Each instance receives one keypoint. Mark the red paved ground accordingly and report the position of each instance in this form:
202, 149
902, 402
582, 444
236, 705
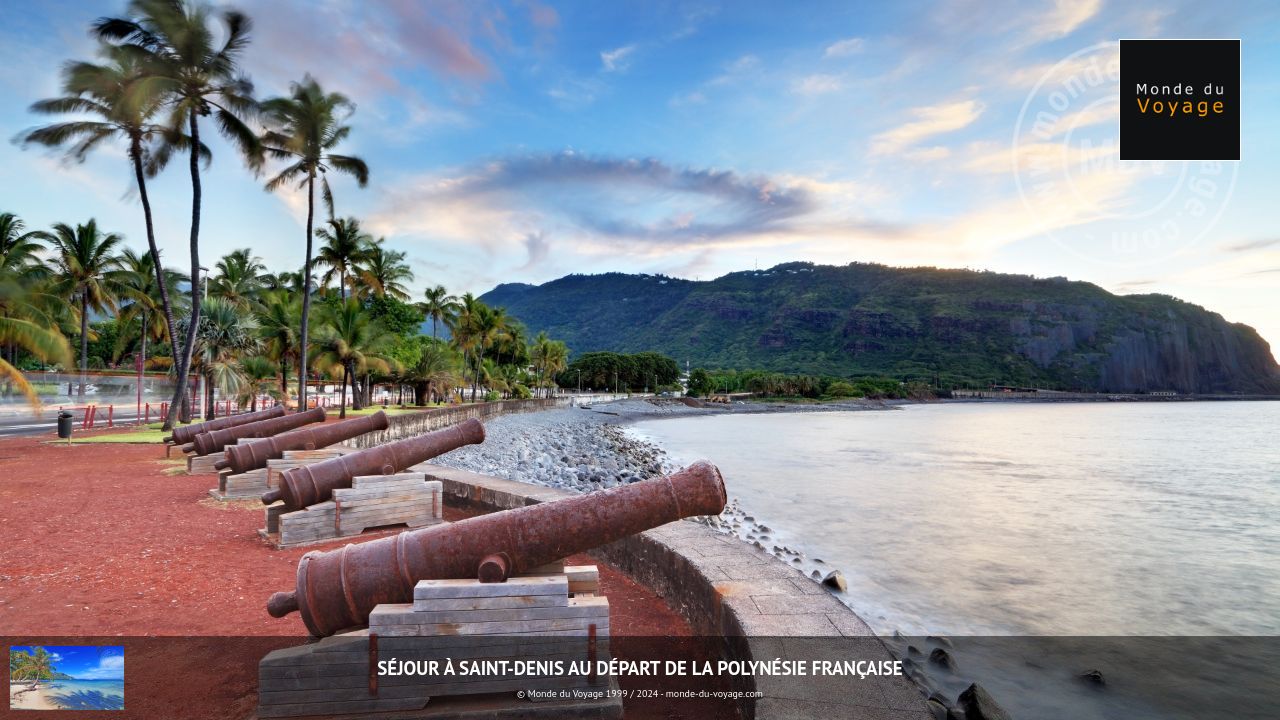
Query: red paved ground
99, 540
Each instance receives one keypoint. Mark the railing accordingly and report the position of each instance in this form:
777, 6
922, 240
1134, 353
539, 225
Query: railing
411, 424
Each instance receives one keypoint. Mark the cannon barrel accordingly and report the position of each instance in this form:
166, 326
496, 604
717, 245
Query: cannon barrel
339, 588
314, 483
183, 434
253, 455
215, 441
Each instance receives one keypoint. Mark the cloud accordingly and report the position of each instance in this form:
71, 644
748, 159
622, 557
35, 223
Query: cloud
1064, 18
818, 84
110, 667
538, 247
1250, 245
844, 48
930, 120
616, 60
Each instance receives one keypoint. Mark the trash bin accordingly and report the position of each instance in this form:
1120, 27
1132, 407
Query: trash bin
64, 425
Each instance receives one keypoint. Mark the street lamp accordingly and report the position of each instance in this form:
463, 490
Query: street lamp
579, 381
205, 270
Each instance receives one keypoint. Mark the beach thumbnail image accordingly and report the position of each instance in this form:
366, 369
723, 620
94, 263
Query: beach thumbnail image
66, 677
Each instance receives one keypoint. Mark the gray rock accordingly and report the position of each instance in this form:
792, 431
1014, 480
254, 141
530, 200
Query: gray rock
942, 659
1092, 677
978, 704
835, 580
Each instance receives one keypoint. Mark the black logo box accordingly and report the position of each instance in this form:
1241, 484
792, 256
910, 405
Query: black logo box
1185, 68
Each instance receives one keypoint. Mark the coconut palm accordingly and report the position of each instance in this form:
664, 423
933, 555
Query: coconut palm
124, 104
87, 270
198, 77
259, 374
226, 333
304, 129
26, 325
35, 666
279, 314
439, 306
384, 272
350, 340
20, 262
435, 373
139, 302
239, 277
20, 249
343, 251
549, 357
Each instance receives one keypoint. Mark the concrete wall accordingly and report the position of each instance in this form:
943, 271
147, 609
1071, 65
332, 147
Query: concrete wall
762, 607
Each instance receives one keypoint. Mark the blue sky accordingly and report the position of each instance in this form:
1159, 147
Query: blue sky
84, 662
522, 141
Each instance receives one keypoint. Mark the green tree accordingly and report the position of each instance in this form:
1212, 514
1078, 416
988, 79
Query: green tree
226, 333
383, 272
125, 103
25, 325
304, 129
87, 270
259, 375
439, 306
700, 384
350, 340
239, 278
198, 78
436, 371
279, 315
345, 248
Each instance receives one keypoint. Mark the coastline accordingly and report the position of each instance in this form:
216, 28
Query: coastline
587, 448
22, 699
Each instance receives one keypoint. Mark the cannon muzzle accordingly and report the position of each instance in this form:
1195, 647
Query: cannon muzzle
215, 441
339, 588
253, 455
314, 483
185, 433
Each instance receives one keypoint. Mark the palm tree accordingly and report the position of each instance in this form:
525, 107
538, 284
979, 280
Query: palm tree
384, 272
87, 270
259, 373
139, 294
343, 252
25, 325
278, 318
304, 129
435, 373
198, 78
352, 341
225, 334
439, 306
239, 277
125, 104
549, 357
34, 666
465, 331
20, 262
20, 249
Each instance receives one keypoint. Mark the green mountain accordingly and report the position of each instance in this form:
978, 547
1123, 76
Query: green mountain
963, 327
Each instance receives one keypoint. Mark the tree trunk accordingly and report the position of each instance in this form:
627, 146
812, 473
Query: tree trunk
350, 372
284, 377
84, 339
342, 411
306, 295
188, 345
135, 151
342, 286
210, 412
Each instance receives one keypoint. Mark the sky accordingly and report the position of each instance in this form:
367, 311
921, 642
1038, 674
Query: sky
522, 141
84, 662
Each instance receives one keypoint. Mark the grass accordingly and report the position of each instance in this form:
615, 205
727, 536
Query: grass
150, 435
390, 410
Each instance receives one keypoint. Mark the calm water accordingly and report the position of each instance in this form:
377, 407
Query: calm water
1021, 519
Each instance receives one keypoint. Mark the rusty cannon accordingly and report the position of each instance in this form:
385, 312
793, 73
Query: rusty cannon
184, 434
253, 455
338, 589
314, 483
211, 442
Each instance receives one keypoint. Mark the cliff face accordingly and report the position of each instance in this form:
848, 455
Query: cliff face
960, 327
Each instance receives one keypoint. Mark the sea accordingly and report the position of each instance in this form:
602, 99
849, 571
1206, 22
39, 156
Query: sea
85, 694
1035, 542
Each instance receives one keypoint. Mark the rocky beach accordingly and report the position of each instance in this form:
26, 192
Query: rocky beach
587, 448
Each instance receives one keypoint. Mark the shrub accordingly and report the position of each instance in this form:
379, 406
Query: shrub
842, 389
